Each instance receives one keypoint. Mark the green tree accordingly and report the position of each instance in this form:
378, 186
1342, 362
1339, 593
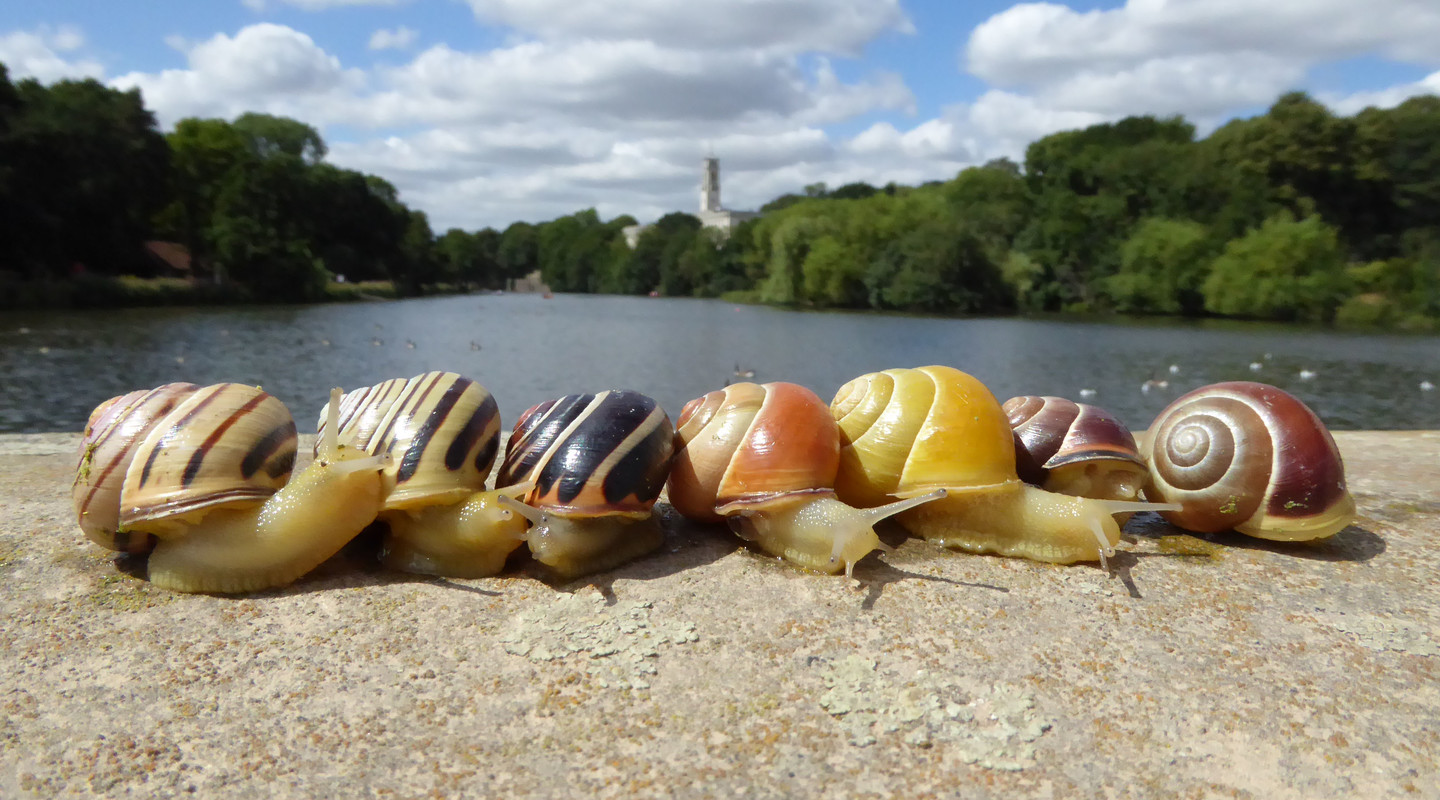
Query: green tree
268, 136
519, 252
1284, 270
1162, 266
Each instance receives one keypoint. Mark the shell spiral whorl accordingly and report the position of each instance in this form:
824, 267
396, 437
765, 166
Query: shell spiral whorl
1250, 457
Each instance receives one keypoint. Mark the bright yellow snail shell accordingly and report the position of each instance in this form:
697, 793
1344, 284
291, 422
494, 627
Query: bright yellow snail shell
1251, 457
765, 457
907, 431
441, 433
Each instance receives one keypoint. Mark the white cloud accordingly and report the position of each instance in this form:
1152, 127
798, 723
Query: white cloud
399, 39
790, 26
1348, 104
264, 67
44, 54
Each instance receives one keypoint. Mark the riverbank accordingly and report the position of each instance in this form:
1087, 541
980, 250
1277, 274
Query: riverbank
1208, 666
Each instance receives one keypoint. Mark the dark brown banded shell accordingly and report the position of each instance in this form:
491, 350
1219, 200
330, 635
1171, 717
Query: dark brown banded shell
113, 432
585, 455
226, 445
1052, 432
1251, 457
440, 429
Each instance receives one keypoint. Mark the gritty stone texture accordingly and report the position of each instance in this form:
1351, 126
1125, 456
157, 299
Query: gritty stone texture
1209, 666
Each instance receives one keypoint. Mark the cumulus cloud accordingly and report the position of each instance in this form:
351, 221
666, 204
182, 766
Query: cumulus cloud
826, 26
264, 67
399, 39
45, 54
1384, 98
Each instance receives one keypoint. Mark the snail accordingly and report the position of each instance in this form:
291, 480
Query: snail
440, 432
905, 432
1075, 449
765, 457
586, 471
1251, 457
208, 481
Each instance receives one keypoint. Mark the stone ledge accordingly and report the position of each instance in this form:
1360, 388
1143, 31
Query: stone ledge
1209, 666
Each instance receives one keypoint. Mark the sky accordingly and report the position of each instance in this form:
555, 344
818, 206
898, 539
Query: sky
485, 112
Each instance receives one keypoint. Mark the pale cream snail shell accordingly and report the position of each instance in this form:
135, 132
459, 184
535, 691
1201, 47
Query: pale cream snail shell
440, 432
205, 480
1251, 457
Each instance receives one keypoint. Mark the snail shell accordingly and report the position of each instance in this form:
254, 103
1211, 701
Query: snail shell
223, 446
905, 431
115, 428
441, 431
588, 470
749, 445
1074, 448
766, 457
1251, 457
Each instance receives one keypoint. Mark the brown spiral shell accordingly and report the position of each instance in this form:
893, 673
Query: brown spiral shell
590, 455
1251, 457
1052, 432
115, 428
441, 430
747, 445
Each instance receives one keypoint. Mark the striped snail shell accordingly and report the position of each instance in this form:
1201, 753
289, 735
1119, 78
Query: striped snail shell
154, 462
765, 456
441, 433
205, 475
907, 431
1074, 448
1251, 457
587, 470
115, 428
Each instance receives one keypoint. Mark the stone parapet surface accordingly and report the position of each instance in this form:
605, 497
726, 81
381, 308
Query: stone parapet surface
1208, 666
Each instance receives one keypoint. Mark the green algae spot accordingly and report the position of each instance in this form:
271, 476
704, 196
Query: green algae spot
118, 592
1231, 506
1184, 545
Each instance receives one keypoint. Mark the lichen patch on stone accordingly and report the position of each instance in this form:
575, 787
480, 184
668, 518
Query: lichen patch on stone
617, 645
1385, 633
995, 727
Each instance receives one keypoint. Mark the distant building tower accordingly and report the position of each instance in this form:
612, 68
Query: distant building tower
710, 186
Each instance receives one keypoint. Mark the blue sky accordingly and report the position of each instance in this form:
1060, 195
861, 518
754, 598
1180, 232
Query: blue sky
483, 112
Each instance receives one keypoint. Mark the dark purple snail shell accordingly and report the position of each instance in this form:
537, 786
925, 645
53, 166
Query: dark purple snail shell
1051, 432
591, 454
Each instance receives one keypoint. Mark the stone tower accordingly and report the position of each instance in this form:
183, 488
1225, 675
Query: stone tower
710, 186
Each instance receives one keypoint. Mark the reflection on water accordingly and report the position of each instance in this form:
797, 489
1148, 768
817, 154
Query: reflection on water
526, 349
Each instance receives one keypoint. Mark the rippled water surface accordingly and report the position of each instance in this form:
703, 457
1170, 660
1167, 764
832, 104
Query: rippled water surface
526, 349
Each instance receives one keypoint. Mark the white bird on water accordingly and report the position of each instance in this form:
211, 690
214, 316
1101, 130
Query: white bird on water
1255, 366
1174, 369
1427, 386
1307, 374
1087, 393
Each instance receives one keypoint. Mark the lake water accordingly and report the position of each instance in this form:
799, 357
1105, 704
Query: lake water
526, 349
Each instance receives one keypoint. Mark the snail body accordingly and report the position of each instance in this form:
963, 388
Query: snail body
586, 471
1075, 448
765, 457
1251, 457
192, 484
440, 433
906, 432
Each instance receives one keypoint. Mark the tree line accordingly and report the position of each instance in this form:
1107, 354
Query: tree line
1296, 214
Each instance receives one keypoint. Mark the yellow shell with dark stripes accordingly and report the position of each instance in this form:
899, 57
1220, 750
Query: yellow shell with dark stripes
223, 446
441, 431
115, 428
587, 455
905, 432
